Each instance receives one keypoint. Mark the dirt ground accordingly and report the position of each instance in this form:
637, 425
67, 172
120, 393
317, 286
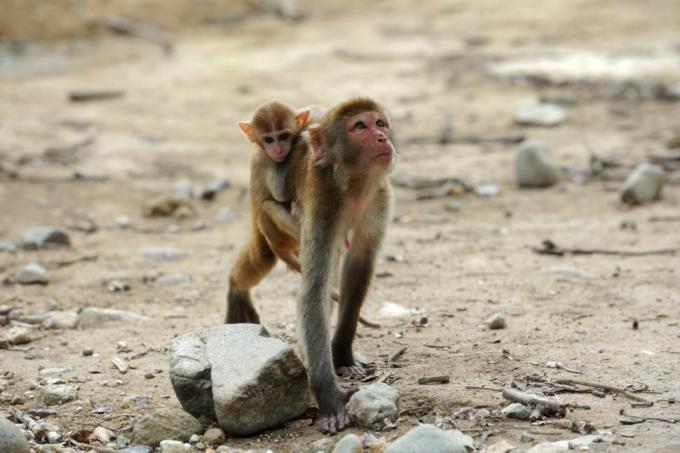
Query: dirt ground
460, 257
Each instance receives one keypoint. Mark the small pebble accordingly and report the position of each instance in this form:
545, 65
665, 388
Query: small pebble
88, 352
496, 321
32, 273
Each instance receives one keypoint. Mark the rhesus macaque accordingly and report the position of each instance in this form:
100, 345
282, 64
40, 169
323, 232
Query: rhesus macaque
346, 195
282, 153
275, 129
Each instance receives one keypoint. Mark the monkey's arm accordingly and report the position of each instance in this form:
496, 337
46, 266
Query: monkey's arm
317, 258
281, 218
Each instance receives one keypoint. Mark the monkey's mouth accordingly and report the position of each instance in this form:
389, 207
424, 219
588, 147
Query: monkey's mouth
383, 157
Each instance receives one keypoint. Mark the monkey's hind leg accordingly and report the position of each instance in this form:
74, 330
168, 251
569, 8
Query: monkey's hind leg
254, 262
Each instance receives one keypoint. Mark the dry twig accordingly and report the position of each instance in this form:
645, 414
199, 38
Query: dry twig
611, 388
434, 380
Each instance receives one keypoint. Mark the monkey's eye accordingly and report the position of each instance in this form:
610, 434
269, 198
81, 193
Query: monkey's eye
268, 140
285, 136
359, 125
380, 123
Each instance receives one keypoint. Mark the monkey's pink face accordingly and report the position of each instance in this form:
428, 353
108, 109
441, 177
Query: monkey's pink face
371, 131
277, 144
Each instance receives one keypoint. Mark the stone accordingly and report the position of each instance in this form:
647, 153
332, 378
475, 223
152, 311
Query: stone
137, 449
323, 445
19, 335
156, 426
162, 253
7, 246
432, 440
526, 437
174, 279
44, 236
213, 437
32, 273
53, 394
643, 185
210, 191
578, 443
12, 439
351, 443
95, 317
237, 373
517, 411
496, 321
172, 446
533, 166
61, 320
372, 404
533, 113
103, 435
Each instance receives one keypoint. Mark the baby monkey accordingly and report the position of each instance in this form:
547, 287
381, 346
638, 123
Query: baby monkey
276, 168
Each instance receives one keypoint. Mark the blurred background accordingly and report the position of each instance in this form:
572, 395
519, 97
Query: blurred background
118, 128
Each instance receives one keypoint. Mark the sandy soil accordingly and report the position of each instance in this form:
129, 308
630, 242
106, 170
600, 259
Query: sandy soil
460, 257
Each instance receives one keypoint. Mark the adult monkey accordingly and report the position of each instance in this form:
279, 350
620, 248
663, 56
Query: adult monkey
346, 196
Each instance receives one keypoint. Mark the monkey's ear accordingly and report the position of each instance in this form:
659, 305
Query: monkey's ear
316, 139
247, 130
302, 118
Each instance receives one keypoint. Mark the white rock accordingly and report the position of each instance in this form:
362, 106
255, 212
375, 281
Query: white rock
11, 438
517, 411
183, 188
643, 185
532, 113
162, 253
564, 445
54, 394
44, 236
95, 317
533, 166
19, 335
103, 435
30, 274
428, 438
174, 279
7, 246
372, 404
172, 446
61, 320
237, 373
350, 443
496, 321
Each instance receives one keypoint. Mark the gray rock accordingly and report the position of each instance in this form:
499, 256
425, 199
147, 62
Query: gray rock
95, 317
32, 273
60, 320
237, 373
323, 445
496, 321
517, 411
643, 185
12, 439
432, 440
564, 445
137, 449
54, 394
162, 253
44, 236
533, 113
210, 191
19, 335
157, 426
174, 279
533, 166
172, 446
213, 437
526, 437
371, 405
351, 443
7, 246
